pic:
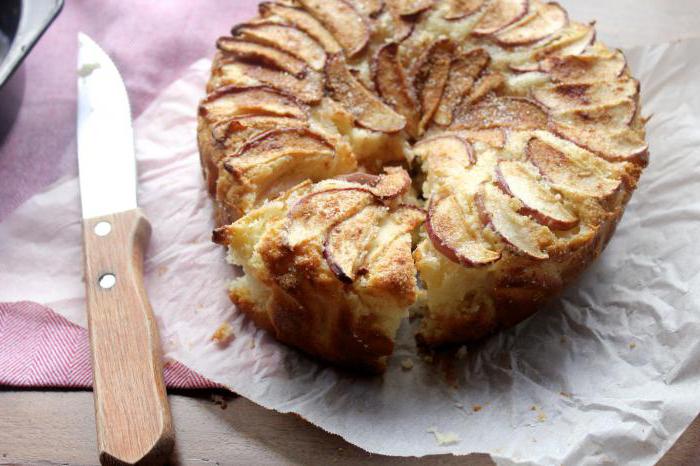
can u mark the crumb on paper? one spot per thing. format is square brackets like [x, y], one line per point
[161, 270]
[632, 345]
[251, 345]
[459, 405]
[533, 408]
[541, 416]
[461, 352]
[87, 69]
[220, 400]
[562, 339]
[407, 364]
[566, 394]
[428, 358]
[223, 334]
[476, 408]
[444, 438]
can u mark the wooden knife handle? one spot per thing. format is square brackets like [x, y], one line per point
[131, 406]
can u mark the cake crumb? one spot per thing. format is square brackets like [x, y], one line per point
[223, 334]
[566, 394]
[632, 345]
[476, 408]
[87, 69]
[162, 270]
[541, 417]
[407, 364]
[251, 345]
[444, 438]
[533, 408]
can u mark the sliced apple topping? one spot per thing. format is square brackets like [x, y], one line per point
[409, 7]
[346, 244]
[522, 180]
[495, 137]
[222, 131]
[393, 86]
[455, 237]
[458, 9]
[284, 37]
[564, 97]
[303, 21]
[262, 55]
[502, 112]
[431, 77]
[464, 70]
[572, 40]
[445, 155]
[487, 84]
[343, 21]
[585, 68]
[615, 145]
[277, 143]
[605, 117]
[562, 172]
[548, 19]
[392, 184]
[500, 14]
[500, 211]
[314, 214]
[370, 8]
[367, 109]
[308, 89]
[259, 100]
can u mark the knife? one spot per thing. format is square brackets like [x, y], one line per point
[131, 407]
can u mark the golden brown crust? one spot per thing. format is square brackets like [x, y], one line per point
[533, 145]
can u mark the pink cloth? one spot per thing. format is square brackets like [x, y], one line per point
[39, 348]
[151, 44]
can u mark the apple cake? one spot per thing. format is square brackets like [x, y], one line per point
[464, 159]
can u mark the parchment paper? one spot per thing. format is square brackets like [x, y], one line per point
[607, 373]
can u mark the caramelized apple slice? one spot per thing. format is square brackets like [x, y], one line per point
[603, 117]
[495, 137]
[259, 100]
[522, 180]
[572, 40]
[455, 237]
[616, 145]
[458, 9]
[500, 211]
[314, 214]
[500, 14]
[262, 55]
[369, 8]
[464, 70]
[303, 21]
[367, 109]
[394, 183]
[488, 83]
[563, 173]
[503, 112]
[346, 243]
[431, 77]
[276, 143]
[563, 97]
[223, 131]
[309, 89]
[409, 7]
[284, 37]
[343, 21]
[585, 68]
[549, 18]
[445, 155]
[392, 85]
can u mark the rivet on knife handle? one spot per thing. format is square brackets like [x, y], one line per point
[131, 407]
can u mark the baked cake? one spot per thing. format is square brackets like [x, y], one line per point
[465, 159]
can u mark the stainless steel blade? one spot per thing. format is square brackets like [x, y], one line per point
[106, 158]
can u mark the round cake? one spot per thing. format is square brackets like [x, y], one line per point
[463, 160]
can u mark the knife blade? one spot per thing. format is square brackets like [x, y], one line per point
[131, 408]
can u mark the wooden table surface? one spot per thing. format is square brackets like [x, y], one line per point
[57, 427]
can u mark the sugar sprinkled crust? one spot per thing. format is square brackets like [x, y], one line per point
[522, 134]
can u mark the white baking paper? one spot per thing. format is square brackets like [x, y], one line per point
[608, 373]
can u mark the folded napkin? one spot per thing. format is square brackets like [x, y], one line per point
[42, 349]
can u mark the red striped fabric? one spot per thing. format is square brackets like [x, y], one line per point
[40, 349]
